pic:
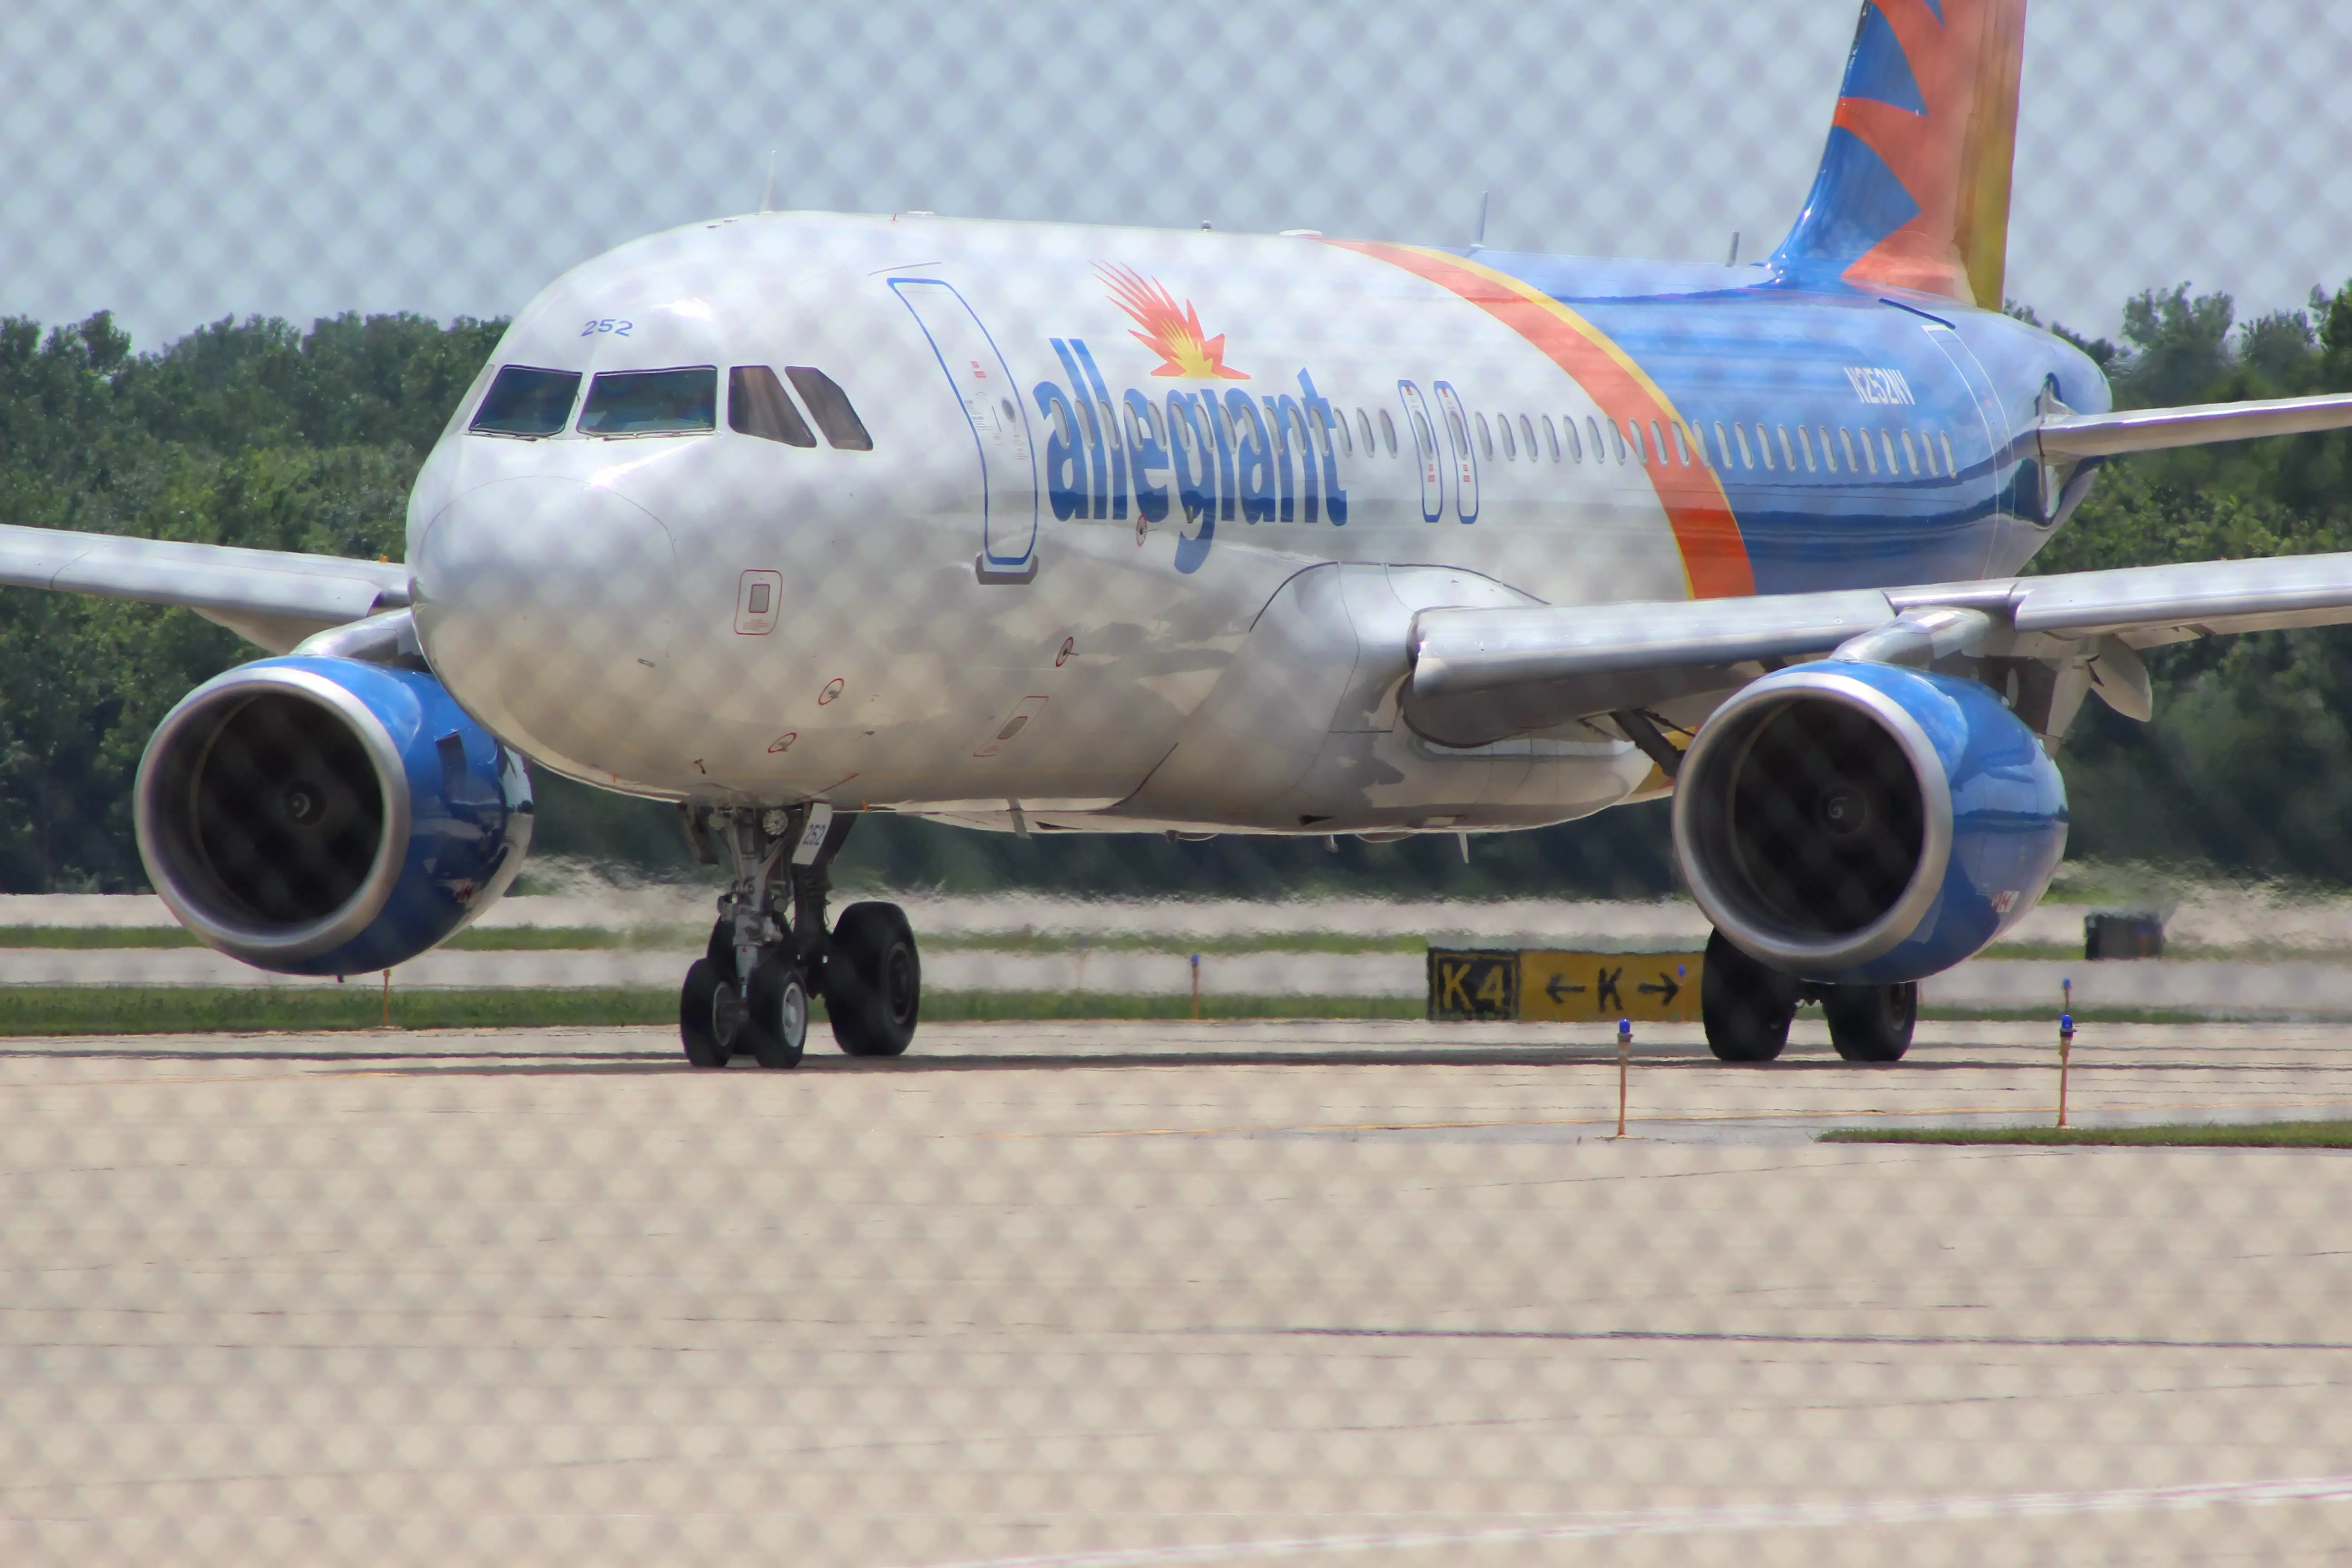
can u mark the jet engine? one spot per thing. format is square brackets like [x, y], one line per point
[323, 815]
[1866, 823]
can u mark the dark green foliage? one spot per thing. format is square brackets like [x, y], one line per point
[242, 432]
[2243, 769]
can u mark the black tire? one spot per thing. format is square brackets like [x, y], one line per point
[872, 981]
[700, 1023]
[720, 950]
[1745, 1006]
[776, 1016]
[1872, 1023]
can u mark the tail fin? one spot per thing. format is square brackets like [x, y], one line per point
[1913, 191]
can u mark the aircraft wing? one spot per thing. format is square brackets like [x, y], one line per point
[273, 598]
[2070, 436]
[1482, 675]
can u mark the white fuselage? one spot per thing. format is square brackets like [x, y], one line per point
[1003, 612]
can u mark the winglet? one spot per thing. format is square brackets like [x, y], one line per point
[1913, 191]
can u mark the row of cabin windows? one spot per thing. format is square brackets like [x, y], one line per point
[1663, 443]
[532, 402]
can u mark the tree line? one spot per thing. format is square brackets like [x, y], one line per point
[254, 433]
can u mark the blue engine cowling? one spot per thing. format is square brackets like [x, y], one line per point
[327, 817]
[1863, 822]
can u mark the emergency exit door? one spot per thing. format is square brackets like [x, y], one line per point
[999, 426]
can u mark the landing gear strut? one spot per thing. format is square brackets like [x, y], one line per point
[770, 952]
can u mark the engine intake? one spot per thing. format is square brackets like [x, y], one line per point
[327, 816]
[1866, 822]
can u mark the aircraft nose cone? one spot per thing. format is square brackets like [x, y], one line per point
[543, 602]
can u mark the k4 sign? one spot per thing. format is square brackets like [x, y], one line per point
[1473, 986]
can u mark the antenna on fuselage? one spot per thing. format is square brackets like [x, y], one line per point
[1481, 237]
[1733, 259]
[768, 193]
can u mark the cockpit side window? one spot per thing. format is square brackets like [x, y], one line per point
[830, 406]
[758, 405]
[652, 402]
[526, 402]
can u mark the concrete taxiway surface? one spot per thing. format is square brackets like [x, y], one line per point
[1132, 1294]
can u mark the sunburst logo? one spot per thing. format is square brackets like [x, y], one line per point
[1170, 331]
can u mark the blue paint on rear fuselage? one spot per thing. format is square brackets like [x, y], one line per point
[1743, 349]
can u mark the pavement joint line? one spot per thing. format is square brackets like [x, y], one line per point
[1610, 1120]
[1737, 1519]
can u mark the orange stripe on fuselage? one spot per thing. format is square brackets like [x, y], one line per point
[1715, 556]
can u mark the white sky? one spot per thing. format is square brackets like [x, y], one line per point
[300, 157]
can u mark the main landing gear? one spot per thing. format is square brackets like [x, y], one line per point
[1748, 1007]
[749, 993]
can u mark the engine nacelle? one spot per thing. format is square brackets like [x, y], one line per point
[1866, 822]
[327, 817]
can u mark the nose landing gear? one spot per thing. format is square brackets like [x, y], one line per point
[770, 952]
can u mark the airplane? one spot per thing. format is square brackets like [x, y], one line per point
[792, 516]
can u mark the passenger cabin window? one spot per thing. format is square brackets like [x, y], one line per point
[829, 406]
[1575, 441]
[1805, 445]
[758, 405]
[1388, 433]
[1910, 453]
[1364, 427]
[1658, 445]
[1888, 442]
[1951, 470]
[652, 402]
[1527, 436]
[526, 402]
[1551, 438]
[1510, 442]
[1486, 437]
[1828, 452]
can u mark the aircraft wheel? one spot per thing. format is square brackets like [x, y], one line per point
[872, 981]
[1872, 1023]
[708, 1013]
[1747, 1006]
[776, 1016]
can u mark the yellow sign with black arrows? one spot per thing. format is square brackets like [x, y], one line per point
[1596, 987]
[1541, 987]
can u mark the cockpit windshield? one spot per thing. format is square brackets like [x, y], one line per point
[526, 402]
[651, 402]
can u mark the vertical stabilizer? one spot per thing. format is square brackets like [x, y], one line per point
[1913, 191]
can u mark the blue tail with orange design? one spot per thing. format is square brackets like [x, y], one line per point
[1913, 191]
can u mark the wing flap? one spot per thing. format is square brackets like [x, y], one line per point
[1480, 676]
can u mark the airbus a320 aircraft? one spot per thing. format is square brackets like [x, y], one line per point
[792, 517]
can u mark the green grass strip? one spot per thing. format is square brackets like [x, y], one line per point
[489, 939]
[2187, 1135]
[29, 1010]
[985, 1006]
[193, 1009]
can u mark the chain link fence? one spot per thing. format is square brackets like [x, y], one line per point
[1187, 1231]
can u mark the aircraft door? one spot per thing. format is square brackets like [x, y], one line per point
[1465, 461]
[1994, 424]
[1424, 448]
[999, 426]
